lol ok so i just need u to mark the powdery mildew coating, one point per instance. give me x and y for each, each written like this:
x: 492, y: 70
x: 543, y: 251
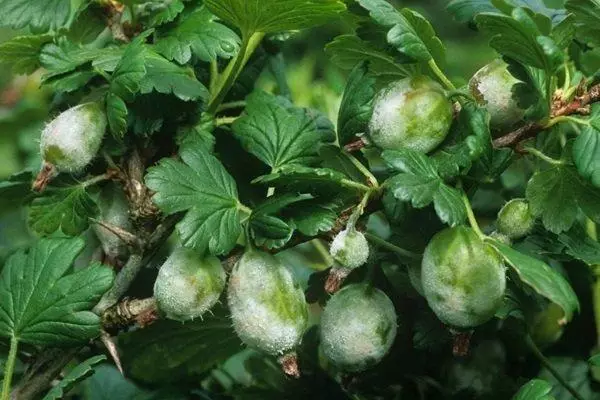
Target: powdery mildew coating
x: 463, y: 278
x: 358, y: 327
x: 492, y: 87
x: 515, y: 219
x: 268, y: 308
x: 350, y: 248
x: 73, y: 138
x: 114, y: 210
x: 188, y: 285
x: 410, y: 113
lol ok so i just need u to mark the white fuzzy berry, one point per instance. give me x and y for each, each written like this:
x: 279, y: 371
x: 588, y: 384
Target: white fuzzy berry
x: 73, y: 139
x: 268, y: 308
x: 350, y: 248
x: 114, y: 210
x: 188, y: 285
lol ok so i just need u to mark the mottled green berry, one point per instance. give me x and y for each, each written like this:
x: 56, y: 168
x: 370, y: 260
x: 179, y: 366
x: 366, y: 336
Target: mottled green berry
x: 114, y: 210
x: 463, y: 278
x: 188, y: 285
x: 515, y: 219
x: 267, y: 306
x: 358, y: 327
x: 411, y: 113
x: 350, y: 248
x: 73, y: 139
x: 492, y: 87
x: 548, y: 325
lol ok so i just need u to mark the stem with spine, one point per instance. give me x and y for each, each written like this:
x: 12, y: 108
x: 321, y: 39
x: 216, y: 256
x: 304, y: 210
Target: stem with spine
x: 9, y: 368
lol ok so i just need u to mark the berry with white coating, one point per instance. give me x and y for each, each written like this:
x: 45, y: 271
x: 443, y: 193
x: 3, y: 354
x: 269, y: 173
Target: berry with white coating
x: 515, y: 219
x: 492, y: 87
x: 463, y: 278
x: 188, y: 285
x: 350, y: 248
x: 267, y: 306
x: 114, y: 210
x: 411, y: 113
x: 358, y: 327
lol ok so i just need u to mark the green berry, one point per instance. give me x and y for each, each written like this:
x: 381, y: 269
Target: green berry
x: 358, y: 327
x: 548, y: 325
x: 515, y: 219
x: 114, y: 210
x: 73, y: 139
x: 463, y: 278
x: 412, y: 113
x: 268, y: 308
x: 350, y: 248
x: 188, y: 285
x: 492, y: 87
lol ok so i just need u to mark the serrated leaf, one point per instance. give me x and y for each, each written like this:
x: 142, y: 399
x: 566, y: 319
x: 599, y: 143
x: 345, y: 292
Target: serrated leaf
x: 346, y: 51
x: 466, y: 10
x: 535, y: 389
x: 533, y: 90
x: 543, y: 279
x: 198, y: 136
x: 420, y: 183
x: 116, y: 112
x: 270, y: 16
x: 200, y: 34
x: 276, y: 132
x: 167, y: 351
x: 39, y: 16
x: 67, y: 209
x: 166, y: 77
x: 201, y: 186
x: 410, y: 33
x: 586, y: 150
x: 270, y: 231
x: 587, y: 19
x: 170, y: 11
x: 336, y: 158
x: 80, y: 372
x: 23, y: 52
x: 41, y: 305
x: 357, y: 104
x: 70, y: 82
x: 314, y: 217
x: 580, y: 246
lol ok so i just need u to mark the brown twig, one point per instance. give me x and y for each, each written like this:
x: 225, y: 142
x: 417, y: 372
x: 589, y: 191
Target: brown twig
x: 579, y: 105
x: 355, y: 145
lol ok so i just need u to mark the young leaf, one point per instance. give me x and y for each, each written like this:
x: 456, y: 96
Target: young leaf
x: 202, y: 187
x: 39, y: 16
x: 67, y: 209
x: 270, y: 16
x: 420, y: 183
x: 276, y: 132
x: 357, y: 104
x: 535, y: 389
x: 198, y: 33
x: 41, y: 305
x: 23, y: 52
x: 543, y: 279
x: 82, y: 371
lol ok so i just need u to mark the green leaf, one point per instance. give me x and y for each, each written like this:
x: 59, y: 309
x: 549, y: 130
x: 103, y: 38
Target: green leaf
x: 166, y: 77
x: 543, y: 279
x: 67, y: 209
x: 519, y: 38
x: 168, y: 351
x: 80, y: 372
x: 346, y: 51
x: 576, y: 372
x: 466, y: 10
x: 410, y: 33
x: 587, y: 19
x: 41, y: 305
x: 199, y: 34
x: 269, y: 16
x: 116, y: 111
x: 199, y: 136
x: 201, y: 186
x: 558, y: 193
x: 580, y: 246
x: 586, y: 150
x: 533, y: 92
x: 70, y: 82
x: 23, y: 53
x: 276, y: 132
x: 357, y: 104
x: 535, y: 389
x: 595, y: 360
x: 314, y: 217
x: 420, y: 183
x: 172, y: 9
x: 39, y: 16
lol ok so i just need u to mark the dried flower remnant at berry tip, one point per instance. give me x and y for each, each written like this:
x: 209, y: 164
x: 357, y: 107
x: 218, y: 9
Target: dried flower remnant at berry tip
x: 71, y: 141
x: 350, y: 250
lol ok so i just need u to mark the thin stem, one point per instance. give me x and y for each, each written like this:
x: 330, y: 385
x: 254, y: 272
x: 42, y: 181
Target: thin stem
x: 565, y: 118
x: 471, y: 217
x: 542, y: 156
x: 355, y: 185
x: 214, y: 76
x: 540, y: 356
x: 441, y: 76
x: 364, y: 170
x: 121, y: 284
x: 359, y: 210
x: 232, y: 105
x: 225, y: 121
x: 244, y: 209
x: 227, y: 79
x: 567, y: 81
x: 95, y: 180
x: 9, y: 368
x: 376, y: 240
